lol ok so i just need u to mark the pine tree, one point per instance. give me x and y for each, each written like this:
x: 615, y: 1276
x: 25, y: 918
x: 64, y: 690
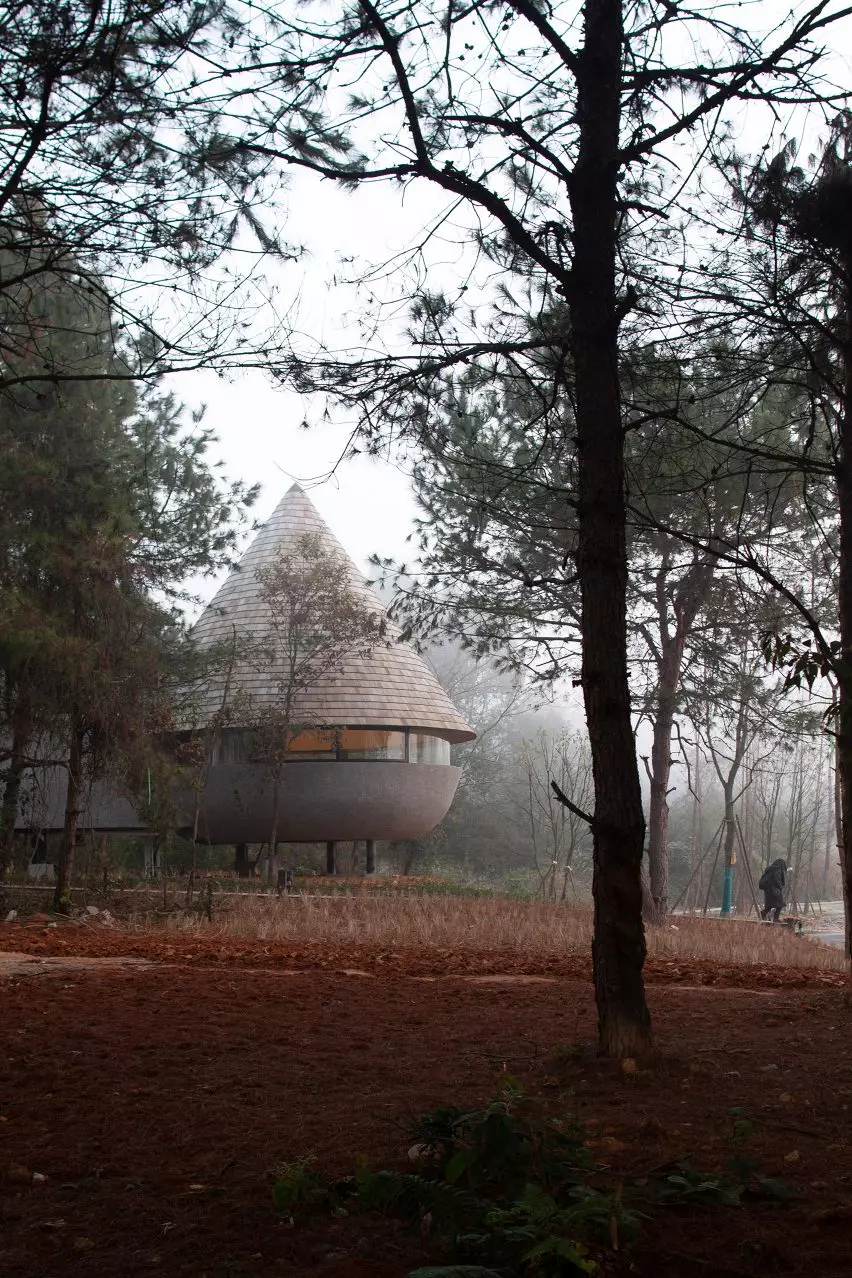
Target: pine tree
x: 107, y: 503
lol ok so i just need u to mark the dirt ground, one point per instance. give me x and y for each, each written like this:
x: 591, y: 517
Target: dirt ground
x: 158, y: 1098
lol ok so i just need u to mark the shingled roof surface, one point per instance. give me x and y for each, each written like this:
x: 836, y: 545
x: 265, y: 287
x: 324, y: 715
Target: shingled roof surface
x: 392, y: 687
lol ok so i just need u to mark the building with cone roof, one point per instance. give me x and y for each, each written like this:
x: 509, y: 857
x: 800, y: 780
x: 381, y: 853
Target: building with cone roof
x: 371, y: 756
x: 368, y: 741
x: 389, y: 685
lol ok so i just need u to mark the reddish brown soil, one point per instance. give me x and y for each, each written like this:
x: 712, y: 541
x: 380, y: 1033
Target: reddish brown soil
x: 157, y: 1100
x: 37, y: 936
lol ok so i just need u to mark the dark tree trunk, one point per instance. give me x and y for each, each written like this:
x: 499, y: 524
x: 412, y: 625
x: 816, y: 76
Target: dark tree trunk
x: 844, y: 767
x: 65, y: 867
x: 695, y: 838
x: 687, y: 603
x: 624, y: 1025
x: 272, y: 855
x: 661, y: 767
x: 21, y: 733
x: 844, y: 673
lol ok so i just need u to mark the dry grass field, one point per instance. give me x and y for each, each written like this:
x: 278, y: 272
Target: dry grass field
x: 534, y: 930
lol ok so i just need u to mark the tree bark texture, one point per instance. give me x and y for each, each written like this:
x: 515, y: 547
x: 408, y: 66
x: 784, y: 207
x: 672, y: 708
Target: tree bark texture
x: 844, y: 672
x: 837, y: 825
x: 695, y: 838
x: 276, y: 817
x: 689, y: 597
x: 658, y: 805
x: 21, y: 730
x: 730, y: 850
x: 65, y: 867
x: 618, y: 951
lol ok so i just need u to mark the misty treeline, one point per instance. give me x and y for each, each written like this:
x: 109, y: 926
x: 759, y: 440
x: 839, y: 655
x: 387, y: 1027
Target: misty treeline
x: 506, y: 829
x: 617, y: 352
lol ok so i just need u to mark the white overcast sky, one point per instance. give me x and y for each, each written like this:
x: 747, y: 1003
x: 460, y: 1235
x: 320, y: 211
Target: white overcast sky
x: 367, y: 503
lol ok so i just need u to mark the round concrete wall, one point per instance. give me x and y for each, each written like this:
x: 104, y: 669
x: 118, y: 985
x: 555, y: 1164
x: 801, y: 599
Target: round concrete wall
x: 321, y: 801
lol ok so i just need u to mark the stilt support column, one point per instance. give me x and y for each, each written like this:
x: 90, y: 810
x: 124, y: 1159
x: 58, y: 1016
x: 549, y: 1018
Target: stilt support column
x: 241, y: 862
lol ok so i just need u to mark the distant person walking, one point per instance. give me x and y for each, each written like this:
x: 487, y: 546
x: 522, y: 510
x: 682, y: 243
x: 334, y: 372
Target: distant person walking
x: 773, y: 880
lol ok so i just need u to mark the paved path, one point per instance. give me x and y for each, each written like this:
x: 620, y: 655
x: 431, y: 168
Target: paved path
x: 13, y: 963
x: 837, y: 939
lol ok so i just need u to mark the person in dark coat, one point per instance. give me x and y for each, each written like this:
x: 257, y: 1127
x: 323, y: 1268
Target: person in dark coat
x: 773, y: 880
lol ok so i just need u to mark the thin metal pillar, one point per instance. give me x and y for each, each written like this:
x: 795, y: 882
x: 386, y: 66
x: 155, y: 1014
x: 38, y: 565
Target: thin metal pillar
x: 370, y: 862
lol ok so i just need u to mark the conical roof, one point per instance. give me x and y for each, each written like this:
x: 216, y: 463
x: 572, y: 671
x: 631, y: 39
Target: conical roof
x: 391, y: 687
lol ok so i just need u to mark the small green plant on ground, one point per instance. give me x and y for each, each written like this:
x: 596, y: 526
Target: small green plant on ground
x: 512, y: 1189
x: 507, y: 1186
x: 298, y: 1187
x: 681, y: 1184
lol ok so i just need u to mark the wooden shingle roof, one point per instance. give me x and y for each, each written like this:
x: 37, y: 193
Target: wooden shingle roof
x: 391, y: 687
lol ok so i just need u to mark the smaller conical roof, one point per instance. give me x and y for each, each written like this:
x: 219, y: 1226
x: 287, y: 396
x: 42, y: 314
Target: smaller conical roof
x: 391, y: 687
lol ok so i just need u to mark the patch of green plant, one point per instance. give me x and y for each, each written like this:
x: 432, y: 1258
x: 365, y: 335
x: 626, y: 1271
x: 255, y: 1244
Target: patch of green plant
x: 769, y: 1187
x: 510, y: 1187
x: 204, y: 902
x: 685, y: 1185
x: 298, y: 1188
x: 742, y: 1127
x: 507, y: 1185
x: 739, y: 1180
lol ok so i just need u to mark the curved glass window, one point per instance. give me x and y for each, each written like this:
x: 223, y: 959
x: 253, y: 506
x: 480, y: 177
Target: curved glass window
x: 425, y: 749
x: 372, y: 743
x: 312, y: 743
x: 394, y: 745
x: 244, y: 745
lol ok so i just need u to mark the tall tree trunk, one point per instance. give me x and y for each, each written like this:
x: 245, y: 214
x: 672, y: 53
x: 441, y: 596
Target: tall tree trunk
x: 618, y: 950
x: 65, y: 867
x: 770, y: 819
x: 844, y: 768
x: 21, y: 733
x: 793, y: 829
x: 688, y: 599
x: 815, y: 822
x: 826, y: 861
x: 695, y: 834
x: 276, y: 817
x: 834, y: 830
x: 844, y: 672
x: 661, y: 768
x: 730, y: 852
